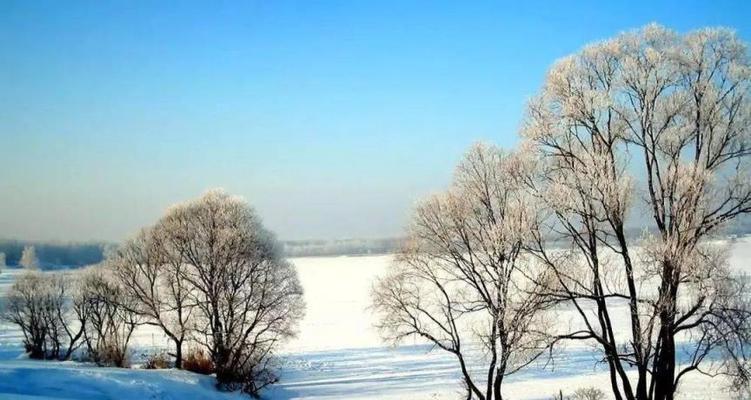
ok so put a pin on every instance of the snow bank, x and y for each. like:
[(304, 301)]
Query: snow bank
[(28, 379)]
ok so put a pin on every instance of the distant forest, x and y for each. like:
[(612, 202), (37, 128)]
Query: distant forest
[(349, 247), (61, 254), (55, 253)]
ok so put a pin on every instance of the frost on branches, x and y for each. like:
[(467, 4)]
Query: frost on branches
[(463, 278), (658, 122)]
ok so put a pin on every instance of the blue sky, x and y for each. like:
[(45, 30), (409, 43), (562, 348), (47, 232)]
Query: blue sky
[(331, 118)]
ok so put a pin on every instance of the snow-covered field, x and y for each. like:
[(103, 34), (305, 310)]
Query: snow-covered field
[(337, 355)]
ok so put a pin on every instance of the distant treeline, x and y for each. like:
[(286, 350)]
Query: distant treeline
[(58, 254), (54, 253), (61, 254), (351, 247)]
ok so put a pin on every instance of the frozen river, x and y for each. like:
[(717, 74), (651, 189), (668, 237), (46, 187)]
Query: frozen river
[(337, 354)]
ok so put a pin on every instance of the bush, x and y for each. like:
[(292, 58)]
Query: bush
[(198, 361), (257, 373), (105, 355), (588, 393), (157, 361), (585, 393)]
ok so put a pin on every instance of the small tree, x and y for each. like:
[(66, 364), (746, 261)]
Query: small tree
[(109, 319), (25, 307), (65, 322), (29, 258), (2, 261), (41, 306), (153, 276), (463, 277)]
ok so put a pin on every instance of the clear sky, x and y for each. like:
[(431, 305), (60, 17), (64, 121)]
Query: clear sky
[(331, 118)]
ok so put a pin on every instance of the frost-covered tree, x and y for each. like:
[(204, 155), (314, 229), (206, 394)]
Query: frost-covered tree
[(29, 258), (463, 276), (2, 261), (65, 323), (248, 298), (109, 316), (152, 274), (43, 307), (25, 307), (678, 107)]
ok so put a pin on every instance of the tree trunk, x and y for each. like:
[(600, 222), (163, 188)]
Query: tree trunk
[(497, 387), (664, 368), (179, 354), (636, 330)]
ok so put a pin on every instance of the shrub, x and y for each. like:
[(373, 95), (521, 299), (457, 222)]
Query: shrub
[(588, 393), (198, 361), (111, 355), (157, 361), (257, 373), (585, 393)]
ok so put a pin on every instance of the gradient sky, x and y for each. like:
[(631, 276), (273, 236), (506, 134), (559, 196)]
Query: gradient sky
[(331, 118)]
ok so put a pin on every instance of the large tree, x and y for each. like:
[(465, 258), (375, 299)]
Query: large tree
[(462, 277), (660, 122), (248, 298)]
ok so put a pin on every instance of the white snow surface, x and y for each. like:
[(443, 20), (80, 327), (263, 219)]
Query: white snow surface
[(337, 355)]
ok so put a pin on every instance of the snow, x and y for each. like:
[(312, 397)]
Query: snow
[(337, 355), (337, 295), (27, 379)]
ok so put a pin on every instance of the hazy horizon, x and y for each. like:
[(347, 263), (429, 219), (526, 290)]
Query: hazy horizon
[(331, 120)]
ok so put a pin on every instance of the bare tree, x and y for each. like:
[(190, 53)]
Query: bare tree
[(153, 276), (462, 275), (680, 105), (64, 323), (40, 304), (109, 317), (248, 298), (25, 307), (29, 258)]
